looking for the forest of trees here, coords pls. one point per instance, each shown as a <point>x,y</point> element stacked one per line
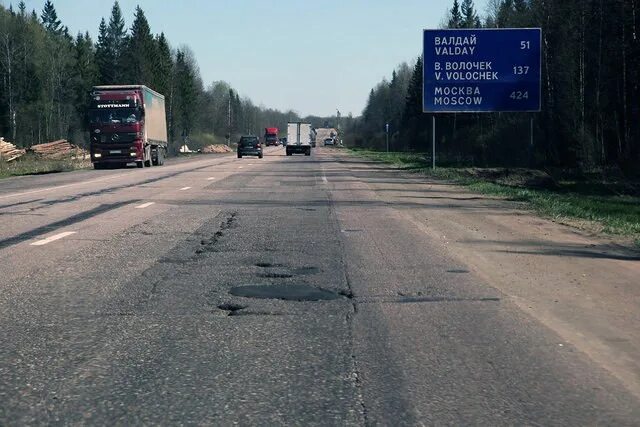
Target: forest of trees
<point>590,117</point>
<point>46,75</point>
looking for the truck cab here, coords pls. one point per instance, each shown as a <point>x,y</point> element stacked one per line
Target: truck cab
<point>270,136</point>
<point>127,124</point>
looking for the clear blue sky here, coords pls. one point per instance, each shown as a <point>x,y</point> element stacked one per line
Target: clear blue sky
<point>312,57</point>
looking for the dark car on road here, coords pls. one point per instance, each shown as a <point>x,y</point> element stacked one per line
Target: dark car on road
<point>249,146</point>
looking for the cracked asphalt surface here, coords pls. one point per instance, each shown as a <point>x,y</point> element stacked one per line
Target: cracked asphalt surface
<point>282,293</point>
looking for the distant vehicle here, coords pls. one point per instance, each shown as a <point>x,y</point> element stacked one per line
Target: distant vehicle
<point>270,136</point>
<point>298,138</point>
<point>329,141</point>
<point>127,124</point>
<point>249,146</point>
<point>283,141</point>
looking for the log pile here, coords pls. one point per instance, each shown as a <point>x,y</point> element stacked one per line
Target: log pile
<point>58,150</point>
<point>9,152</point>
<point>217,148</point>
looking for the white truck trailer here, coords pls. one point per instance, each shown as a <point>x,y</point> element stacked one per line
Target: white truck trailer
<point>299,137</point>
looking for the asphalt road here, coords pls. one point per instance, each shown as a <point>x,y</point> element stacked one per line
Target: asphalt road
<point>217,290</point>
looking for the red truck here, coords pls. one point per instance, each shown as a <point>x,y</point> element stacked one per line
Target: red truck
<point>127,124</point>
<point>270,136</point>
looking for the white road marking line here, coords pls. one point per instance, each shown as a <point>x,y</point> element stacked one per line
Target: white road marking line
<point>240,167</point>
<point>185,188</point>
<point>145,205</point>
<point>53,238</point>
<point>42,190</point>
<point>211,178</point>
<point>325,180</point>
<point>108,178</point>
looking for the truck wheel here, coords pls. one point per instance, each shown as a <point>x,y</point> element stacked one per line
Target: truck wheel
<point>307,153</point>
<point>98,166</point>
<point>155,155</point>
<point>239,155</point>
<point>159,159</point>
<point>288,153</point>
<point>260,156</point>
<point>140,164</point>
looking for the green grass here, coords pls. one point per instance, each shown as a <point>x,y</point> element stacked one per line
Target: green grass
<point>30,165</point>
<point>604,206</point>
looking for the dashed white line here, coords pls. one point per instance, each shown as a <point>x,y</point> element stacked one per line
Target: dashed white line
<point>325,180</point>
<point>240,167</point>
<point>185,188</point>
<point>145,205</point>
<point>42,190</point>
<point>211,178</point>
<point>53,238</point>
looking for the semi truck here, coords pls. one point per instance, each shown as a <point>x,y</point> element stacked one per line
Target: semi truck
<point>299,137</point>
<point>270,136</point>
<point>127,124</point>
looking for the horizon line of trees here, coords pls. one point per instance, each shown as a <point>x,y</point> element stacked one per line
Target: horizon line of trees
<point>46,75</point>
<point>590,117</point>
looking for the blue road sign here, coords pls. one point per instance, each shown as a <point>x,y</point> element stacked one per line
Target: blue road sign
<point>482,70</point>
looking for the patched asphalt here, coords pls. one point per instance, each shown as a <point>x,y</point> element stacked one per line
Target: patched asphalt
<point>282,293</point>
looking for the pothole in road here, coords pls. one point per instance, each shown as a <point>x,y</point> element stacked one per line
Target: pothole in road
<point>300,271</point>
<point>209,244</point>
<point>267,265</point>
<point>254,313</point>
<point>306,270</point>
<point>413,300</point>
<point>285,292</point>
<point>407,294</point>
<point>275,275</point>
<point>231,307</point>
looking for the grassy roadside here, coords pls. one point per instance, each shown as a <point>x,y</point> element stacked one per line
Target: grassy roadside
<point>30,165</point>
<point>612,208</point>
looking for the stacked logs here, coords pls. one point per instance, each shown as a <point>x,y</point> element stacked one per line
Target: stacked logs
<point>9,152</point>
<point>217,148</point>
<point>57,150</point>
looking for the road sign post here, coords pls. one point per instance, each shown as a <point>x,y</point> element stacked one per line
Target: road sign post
<point>433,148</point>
<point>531,154</point>
<point>481,71</point>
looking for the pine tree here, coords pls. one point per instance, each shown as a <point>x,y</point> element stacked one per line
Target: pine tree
<point>505,13</point>
<point>455,21</point>
<point>412,116</point>
<point>141,52</point>
<point>104,56</point>
<point>469,16</point>
<point>164,65</point>
<point>164,78</point>
<point>50,19</point>
<point>116,42</point>
<point>86,71</point>
<point>186,93</point>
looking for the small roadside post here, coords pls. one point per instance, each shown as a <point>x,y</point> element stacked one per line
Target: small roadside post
<point>387,131</point>
<point>481,71</point>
